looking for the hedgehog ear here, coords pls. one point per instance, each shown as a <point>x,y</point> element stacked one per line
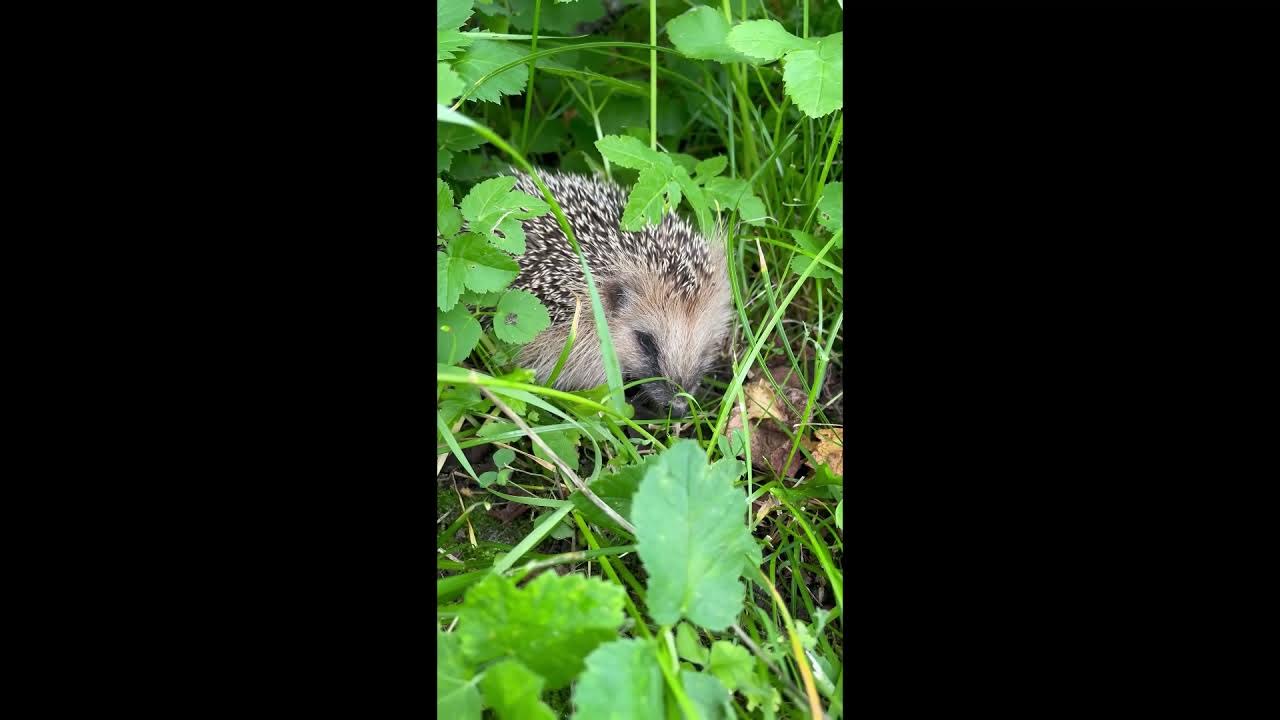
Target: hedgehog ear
<point>615,296</point>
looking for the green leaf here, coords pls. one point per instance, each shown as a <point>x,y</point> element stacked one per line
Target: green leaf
<point>697,201</point>
<point>688,646</point>
<point>630,152</point>
<point>449,280</point>
<point>456,138</point>
<point>503,457</point>
<point>615,489</point>
<point>456,694</point>
<point>448,220</point>
<point>485,56</point>
<point>731,663</point>
<point>728,192</point>
<point>752,210</point>
<point>831,207</point>
<point>765,40</point>
<point>707,694</point>
<point>456,335</point>
<point>692,536</point>
<point>556,17</point>
<point>449,42</point>
<point>622,682</point>
<point>700,32</point>
<point>487,198</point>
<point>550,624</point>
<point>564,443</point>
<point>645,204</point>
<point>815,78</point>
<point>840,514</point>
<point>483,268</point>
<point>444,160</point>
<point>450,14</point>
<point>512,690</point>
<point>494,209</point>
<point>688,162</point>
<point>711,167</point>
<point>520,317</point>
<point>448,84</point>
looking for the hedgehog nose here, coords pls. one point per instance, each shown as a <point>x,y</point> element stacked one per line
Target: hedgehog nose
<point>679,406</point>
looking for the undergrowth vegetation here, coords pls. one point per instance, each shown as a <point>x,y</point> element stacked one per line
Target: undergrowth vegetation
<point>592,562</point>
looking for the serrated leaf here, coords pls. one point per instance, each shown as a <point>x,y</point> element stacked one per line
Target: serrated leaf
<point>700,32</point>
<point>688,162</point>
<point>630,152</point>
<point>707,693</point>
<point>520,317</point>
<point>550,624</point>
<point>765,40</point>
<point>815,78</point>
<point>692,536</point>
<point>486,198</point>
<point>448,84</point>
<point>456,335</point>
<point>481,267</point>
<point>710,167</point>
<point>622,682</point>
<point>728,192</point>
<point>448,219</point>
<point>495,210</point>
<point>456,694</point>
<point>512,690</point>
<point>450,42</point>
<point>615,489</point>
<point>697,201</point>
<point>456,138</point>
<point>444,160</point>
<point>451,14</point>
<point>483,57</point>
<point>831,207</point>
<point>645,204</point>
<point>450,277</point>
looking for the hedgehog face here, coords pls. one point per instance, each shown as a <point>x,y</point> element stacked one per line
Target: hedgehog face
<point>660,332</point>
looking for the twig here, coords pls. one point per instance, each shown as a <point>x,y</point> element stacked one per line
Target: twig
<point>533,436</point>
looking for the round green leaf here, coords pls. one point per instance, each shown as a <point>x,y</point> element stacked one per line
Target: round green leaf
<point>622,682</point>
<point>456,335</point>
<point>765,40</point>
<point>456,694</point>
<point>815,78</point>
<point>520,317</point>
<point>700,32</point>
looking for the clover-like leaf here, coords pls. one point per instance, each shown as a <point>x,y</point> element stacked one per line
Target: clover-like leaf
<point>456,694</point>
<point>701,33</point>
<point>456,335</point>
<point>622,682</point>
<point>692,536</point>
<point>815,78</point>
<point>485,56</point>
<point>550,625</point>
<point>512,690</point>
<point>520,317</point>
<point>765,40</point>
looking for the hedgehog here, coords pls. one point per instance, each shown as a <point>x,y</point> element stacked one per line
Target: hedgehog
<point>665,292</point>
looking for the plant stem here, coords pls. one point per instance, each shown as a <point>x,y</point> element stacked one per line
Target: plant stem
<point>653,75</point>
<point>528,98</point>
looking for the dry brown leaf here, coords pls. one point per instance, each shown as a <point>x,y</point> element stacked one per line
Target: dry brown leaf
<point>829,449</point>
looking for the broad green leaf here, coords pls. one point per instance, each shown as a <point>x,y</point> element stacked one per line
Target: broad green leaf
<point>450,14</point>
<point>503,457</point>
<point>485,56</point>
<point>456,694</point>
<point>688,646</point>
<point>831,207</point>
<point>736,668</point>
<point>550,624</point>
<point>520,317</point>
<point>487,198</point>
<point>622,682</point>
<point>711,167</point>
<point>444,160</point>
<point>765,40</point>
<point>615,489</point>
<point>494,209</point>
<point>840,514</point>
<point>688,162</point>
<point>707,694</point>
<point>483,268</point>
<point>448,220</point>
<point>564,443</point>
<point>752,210</point>
<point>456,335</point>
<point>692,536</point>
<point>493,428</point>
<point>700,32</point>
<point>448,84</point>
<point>697,200</point>
<point>645,204</point>
<point>728,192</point>
<point>450,42</point>
<point>556,17</point>
<point>812,247</point>
<point>456,138</point>
<point>815,78</point>
<point>450,276</point>
<point>512,690</point>
<point>630,152</point>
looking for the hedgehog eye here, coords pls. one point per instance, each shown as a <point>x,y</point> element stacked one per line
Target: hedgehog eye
<point>615,297</point>
<point>647,344</point>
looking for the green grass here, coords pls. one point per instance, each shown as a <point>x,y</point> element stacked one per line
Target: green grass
<point>786,274</point>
